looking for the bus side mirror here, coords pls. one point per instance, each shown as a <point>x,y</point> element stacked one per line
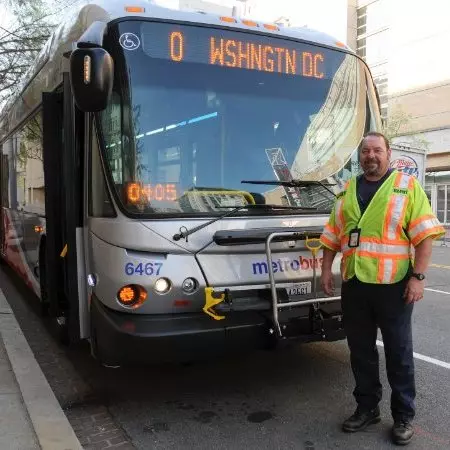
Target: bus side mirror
<point>91,78</point>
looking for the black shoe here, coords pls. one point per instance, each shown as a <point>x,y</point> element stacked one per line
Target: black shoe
<point>360,420</point>
<point>402,432</point>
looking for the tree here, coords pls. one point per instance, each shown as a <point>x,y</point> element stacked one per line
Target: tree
<point>398,124</point>
<point>21,40</point>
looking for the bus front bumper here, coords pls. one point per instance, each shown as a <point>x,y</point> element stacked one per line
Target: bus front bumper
<point>134,339</point>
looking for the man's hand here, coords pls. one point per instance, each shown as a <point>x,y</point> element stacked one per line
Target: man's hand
<point>327,283</point>
<point>414,290</point>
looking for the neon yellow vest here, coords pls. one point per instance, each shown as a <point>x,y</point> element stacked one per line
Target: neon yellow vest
<point>383,254</point>
<point>398,217</point>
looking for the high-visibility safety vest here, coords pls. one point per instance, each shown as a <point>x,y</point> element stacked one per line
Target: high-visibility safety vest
<point>398,216</point>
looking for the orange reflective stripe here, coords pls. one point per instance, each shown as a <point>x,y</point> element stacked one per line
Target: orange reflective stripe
<point>423,227</point>
<point>384,241</point>
<point>377,255</point>
<point>396,209</point>
<point>394,269</point>
<point>374,248</point>
<point>384,247</point>
<point>380,273</point>
<point>420,219</point>
<point>339,214</point>
<point>402,180</point>
<point>331,229</point>
<point>348,251</point>
<point>344,245</point>
<point>387,269</point>
<point>388,218</point>
<point>427,233</point>
<point>328,243</point>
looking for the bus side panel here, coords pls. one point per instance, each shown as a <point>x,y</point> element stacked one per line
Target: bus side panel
<point>14,188</point>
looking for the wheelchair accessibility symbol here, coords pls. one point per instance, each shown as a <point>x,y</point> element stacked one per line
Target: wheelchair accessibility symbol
<point>129,41</point>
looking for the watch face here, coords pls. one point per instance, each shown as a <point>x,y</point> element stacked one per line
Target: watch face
<point>419,276</point>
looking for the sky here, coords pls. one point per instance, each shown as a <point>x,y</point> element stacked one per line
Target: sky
<point>307,12</point>
<point>300,12</point>
<point>5,17</point>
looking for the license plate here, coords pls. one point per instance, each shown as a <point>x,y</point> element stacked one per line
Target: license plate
<point>299,289</point>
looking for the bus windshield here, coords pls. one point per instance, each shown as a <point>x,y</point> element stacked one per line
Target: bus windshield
<point>196,110</point>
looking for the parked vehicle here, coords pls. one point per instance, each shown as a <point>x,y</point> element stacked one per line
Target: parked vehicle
<point>166,174</point>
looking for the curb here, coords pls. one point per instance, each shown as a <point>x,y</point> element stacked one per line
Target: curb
<point>50,424</point>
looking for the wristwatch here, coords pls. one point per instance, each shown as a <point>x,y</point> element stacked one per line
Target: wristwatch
<point>419,276</point>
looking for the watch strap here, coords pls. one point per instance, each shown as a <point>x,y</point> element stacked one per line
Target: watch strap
<point>419,276</point>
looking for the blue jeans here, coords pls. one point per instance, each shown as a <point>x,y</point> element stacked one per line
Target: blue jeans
<point>367,307</point>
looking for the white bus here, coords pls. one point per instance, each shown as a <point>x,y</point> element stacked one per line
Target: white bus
<point>150,179</point>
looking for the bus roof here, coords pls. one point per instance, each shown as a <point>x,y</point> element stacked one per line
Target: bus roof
<point>46,73</point>
<point>117,8</point>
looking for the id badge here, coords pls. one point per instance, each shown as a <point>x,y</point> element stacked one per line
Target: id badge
<point>353,238</point>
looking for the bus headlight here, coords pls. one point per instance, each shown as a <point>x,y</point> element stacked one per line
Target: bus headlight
<point>162,285</point>
<point>189,285</point>
<point>132,295</point>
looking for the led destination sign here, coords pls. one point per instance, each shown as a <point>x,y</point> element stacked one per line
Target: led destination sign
<point>231,49</point>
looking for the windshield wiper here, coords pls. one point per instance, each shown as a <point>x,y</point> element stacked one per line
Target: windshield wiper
<point>184,232</point>
<point>292,183</point>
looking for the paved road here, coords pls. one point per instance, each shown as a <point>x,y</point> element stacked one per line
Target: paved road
<point>292,399</point>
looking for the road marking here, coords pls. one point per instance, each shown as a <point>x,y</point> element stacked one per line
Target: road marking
<point>437,362</point>
<point>441,266</point>
<point>437,290</point>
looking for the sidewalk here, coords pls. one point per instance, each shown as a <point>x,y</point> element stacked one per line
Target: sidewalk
<point>30,416</point>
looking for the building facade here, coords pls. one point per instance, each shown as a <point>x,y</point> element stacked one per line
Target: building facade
<point>407,60</point>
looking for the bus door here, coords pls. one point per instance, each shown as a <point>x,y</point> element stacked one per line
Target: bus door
<point>63,135</point>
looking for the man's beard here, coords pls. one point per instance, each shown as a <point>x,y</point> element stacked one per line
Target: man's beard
<point>371,168</point>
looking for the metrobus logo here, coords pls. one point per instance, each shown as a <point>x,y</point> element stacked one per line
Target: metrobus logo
<point>407,165</point>
<point>286,265</point>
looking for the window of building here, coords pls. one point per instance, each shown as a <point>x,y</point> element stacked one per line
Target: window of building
<point>376,16</point>
<point>443,203</point>
<point>372,32</point>
<point>381,82</point>
<point>377,46</point>
<point>372,17</point>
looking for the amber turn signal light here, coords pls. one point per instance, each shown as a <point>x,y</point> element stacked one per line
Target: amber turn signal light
<point>132,295</point>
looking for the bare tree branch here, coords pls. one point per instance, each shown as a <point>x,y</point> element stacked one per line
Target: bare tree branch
<point>22,39</point>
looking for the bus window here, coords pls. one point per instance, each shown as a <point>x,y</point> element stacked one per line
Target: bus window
<point>99,201</point>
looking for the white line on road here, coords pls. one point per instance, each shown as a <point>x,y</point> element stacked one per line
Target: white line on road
<point>437,290</point>
<point>424,358</point>
<point>440,266</point>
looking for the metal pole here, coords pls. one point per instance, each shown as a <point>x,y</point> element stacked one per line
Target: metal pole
<point>272,283</point>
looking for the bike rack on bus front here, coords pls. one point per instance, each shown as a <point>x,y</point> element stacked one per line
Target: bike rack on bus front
<point>292,236</point>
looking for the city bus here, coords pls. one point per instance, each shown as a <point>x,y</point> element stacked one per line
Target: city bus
<point>166,174</point>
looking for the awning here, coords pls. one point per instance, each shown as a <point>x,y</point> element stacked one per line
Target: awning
<point>438,162</point>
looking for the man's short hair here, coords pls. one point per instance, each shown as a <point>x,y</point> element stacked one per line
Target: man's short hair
<point>380,135</point>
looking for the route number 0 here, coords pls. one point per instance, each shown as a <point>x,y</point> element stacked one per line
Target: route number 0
<point>176,46</point>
